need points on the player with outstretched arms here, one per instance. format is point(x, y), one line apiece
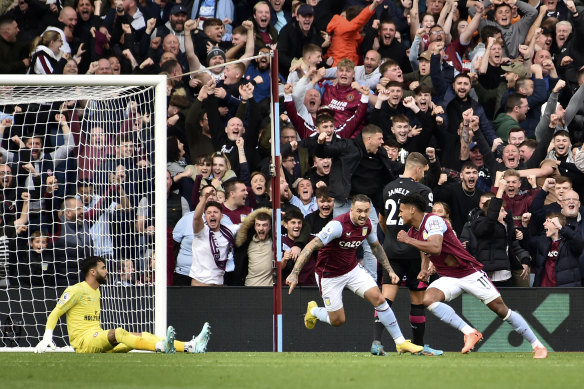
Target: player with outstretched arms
point(81, 304)
point(459, 272)
point(337, 268)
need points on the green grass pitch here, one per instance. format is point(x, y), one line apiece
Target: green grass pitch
point(290, 370)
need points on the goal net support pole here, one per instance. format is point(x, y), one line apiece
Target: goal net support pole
point(276, 211)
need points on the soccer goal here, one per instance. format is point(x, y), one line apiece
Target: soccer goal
point(82, 172)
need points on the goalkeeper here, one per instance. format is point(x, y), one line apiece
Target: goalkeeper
point(81, 303)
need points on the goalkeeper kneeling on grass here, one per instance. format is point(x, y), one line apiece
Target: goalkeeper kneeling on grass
point(81, 303)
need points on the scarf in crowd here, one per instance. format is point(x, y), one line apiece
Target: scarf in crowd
point(226, 232)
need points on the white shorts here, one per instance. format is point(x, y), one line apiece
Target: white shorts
point(476, 284)
point(357, 281)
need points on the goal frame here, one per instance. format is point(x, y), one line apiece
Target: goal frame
point(159, 83)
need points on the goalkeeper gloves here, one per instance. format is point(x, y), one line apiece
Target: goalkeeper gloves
point(46, 342)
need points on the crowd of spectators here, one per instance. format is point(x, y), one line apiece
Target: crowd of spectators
point(490, 92)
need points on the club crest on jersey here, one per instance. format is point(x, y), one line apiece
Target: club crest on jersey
point(350, 97)
point(327, 301)
point(364, 231)
point(425, 235)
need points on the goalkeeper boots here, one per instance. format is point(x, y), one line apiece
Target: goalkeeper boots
point(408, 347)
point(199, 343)
point(169, 341)
point(309, 318)
point(377, 349)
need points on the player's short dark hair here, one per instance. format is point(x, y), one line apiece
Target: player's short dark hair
point(514, 100)
point(215, 204)
point(293, 213)
point(489, 31)
point(416, 200)
point(361, 198)
point(562, 133)
point(468, 165)
point(416, 158)
point(371, 129)
point(89, 263)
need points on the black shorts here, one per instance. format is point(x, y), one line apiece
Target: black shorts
point(407, 269)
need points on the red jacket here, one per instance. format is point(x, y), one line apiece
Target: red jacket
point(518, 204)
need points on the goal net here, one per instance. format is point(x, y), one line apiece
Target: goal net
point(80, 175)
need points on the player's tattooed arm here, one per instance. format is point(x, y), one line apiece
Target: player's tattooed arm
point(379, 253)
point(303, 257)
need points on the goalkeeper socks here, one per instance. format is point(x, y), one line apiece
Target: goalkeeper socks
point(387, 317)
point(418, 323)
point(321, 314)
point(520, 325)
point(445, 313)
point(178, 345)
point(133, 341)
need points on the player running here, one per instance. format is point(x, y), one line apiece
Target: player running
point(337, 268)
point(404, 259)
point(81, 303)
point(459, 272)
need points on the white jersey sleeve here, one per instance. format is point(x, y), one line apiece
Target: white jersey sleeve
point(332, 231)
point(435, 225)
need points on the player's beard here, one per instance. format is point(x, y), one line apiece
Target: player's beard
point(101, 279)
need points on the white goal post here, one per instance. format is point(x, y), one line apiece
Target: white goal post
point(102, 115)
